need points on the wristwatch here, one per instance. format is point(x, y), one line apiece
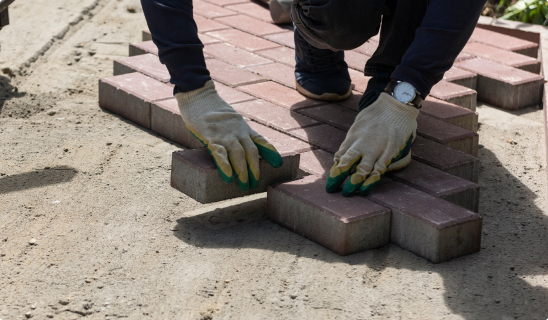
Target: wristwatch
point(404, 92)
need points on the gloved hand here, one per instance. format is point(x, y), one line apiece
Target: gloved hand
point(379, 140)
point(228, 138)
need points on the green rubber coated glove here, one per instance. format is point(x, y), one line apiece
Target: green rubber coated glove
point(379, 140)
point(235, 147)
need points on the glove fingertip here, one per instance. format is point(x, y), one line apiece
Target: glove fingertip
point(244, 186)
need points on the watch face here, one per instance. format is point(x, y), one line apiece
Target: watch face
point(404, 92)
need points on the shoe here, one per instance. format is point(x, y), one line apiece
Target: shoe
point(320, 73)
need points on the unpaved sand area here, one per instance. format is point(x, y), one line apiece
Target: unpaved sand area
point(114, 240)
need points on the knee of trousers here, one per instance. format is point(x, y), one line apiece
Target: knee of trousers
point(335, 24)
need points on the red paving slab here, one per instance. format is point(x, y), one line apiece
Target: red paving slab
point(144, 47)
point(504, 57)
point(464, 56)
point(231, 95)
point(358, 80)
point(147, 64)
point(439, 184)
point(166, 121)
point(461, 77)
point(251, 25)
point(430, 227)
point(446, 159)
point(210, 11)
point(502, 41)
point(229, 74)
point(243, 40)
point(344, 225)
point(278, 72)
point(207, 39)
point(254, 10)
point(234, 55)
point(447, 134)
point(223, 3)
point(282, 55)
point(323, 136)
point(280, 95)
point(273, 115)
point(450, 113)
point(352, 102)
point(454, 93)
point(355, 60)
point(337, 116)
point(368, 48)
point(285, 39)
point(194, 173)
point(317, 162)
point(284, 143)
point(130, 95)
point(206, 25)
point(504, 86)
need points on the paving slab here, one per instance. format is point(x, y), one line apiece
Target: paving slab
point(352, 102)
point(166, 120)
point(368, 48)
point(356, 60)
point(234, 55)
point(504, 57)
point(345, 225)
point(447, 134)
point(506, 42)
point(278, 72)
point(282, 55)
point(323, 136)
point(251, 25)
point(317, 162)
point(144, 47)
point(194, 173)
point(253, 9)
point(285, 39)
point(332, 114)
point(284, 143)
point(223, 3)
point(450, 113)
point(243, 40)
point(461, 77)
point(280, 95)
point(504, 86)
point(147, 64)
point(231, 75)
point(358, 80)
point(456, 94)
point(207, 25)
point(210, 11)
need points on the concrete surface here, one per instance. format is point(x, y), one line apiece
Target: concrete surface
point(114, 240)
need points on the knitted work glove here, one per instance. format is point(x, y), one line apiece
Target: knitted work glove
point(228, 138)
point(379, 140)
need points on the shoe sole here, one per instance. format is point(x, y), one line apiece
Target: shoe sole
point(324, 96)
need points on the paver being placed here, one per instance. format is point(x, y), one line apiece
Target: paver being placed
point(273, 115)
point(337, 116)
point(461, 77)
point(234, 55)
point(251, 25)
point(165, 120)
point(317, 162)
point(323, 136)
point(450, 113)
point(130, 96)
point(194, 173)
point(243, 40)
point(252, 9)
point(446, 159)
point(502, 41)
point(283, 55)
point(504, 86)
point(443, 185)
point(456, 94)
point(144, 47)
point(206, 25)
point(447, 134)
point(210, 11)
point(286, 39)
point(430, 227)
point(147, 64)
point(231, 75)
point(280, 95)
point(344, 225)
point(504, 57)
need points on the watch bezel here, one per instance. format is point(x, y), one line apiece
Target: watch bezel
point(410, 102)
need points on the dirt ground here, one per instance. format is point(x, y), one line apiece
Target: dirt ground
point(114, 240)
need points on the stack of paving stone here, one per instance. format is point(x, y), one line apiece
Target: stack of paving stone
point(429, 208)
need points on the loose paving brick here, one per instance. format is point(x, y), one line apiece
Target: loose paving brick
point(358, 80)
point(278, 72)
point(430, 227)
point(317, 162)
point(281, 141)
point(207, 25)
point(368, 48)
point(446, 159)
point(285, 39)
point(456, 94)
point(194, 173)
point(280, 95)
point(210, 11)
point(147, 64)
point(254, 10)
point(450, 113)
point(447, 134)
point(229, 74)
point(504, 57)
point(355, 60)
point(439, 184)
point(323, 136)
point(461, 77)
point(243, 40)
point(504, 86)
point(145, 35)
point(144, 47)
point(502, 41)
point(281, 54)
point(166, 120)
point(353, 102)
point(251, 25)
point(273, 115)
point(223, 3)
point(234, 55)
point(344, 225)
point(130, 96)
point(337, 116)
